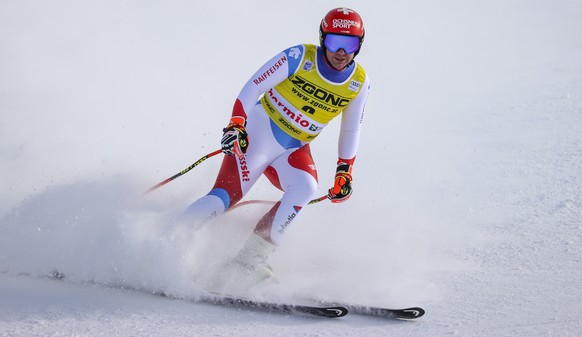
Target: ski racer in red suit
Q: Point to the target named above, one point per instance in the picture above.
(279, 111)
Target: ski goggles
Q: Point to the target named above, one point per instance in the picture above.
(334, 42)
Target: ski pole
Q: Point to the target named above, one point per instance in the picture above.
(315, 201)
(269, 202)
(248, 202)
(184, 171)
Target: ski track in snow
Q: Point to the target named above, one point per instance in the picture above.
(467, 197)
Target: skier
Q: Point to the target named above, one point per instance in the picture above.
(279, 111)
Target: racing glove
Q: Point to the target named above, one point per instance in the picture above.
(342, 186)
(235, 140)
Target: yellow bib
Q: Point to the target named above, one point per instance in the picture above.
(303, 104)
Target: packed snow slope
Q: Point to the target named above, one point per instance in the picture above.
(467, 187)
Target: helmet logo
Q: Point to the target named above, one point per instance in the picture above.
(346, 11)
(344, 23)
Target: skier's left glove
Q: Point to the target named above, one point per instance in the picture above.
(235, 140)
(342, 186)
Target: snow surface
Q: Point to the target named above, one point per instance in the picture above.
(467, 199)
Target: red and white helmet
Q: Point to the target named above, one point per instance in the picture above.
(342, 21)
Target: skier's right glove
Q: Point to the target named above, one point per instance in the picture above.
(342, 186)
(235, 140)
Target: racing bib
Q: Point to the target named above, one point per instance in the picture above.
(303, 104)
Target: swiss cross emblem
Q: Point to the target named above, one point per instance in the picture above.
(344, 10)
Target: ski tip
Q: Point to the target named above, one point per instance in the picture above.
(410, 313)
(335, 312)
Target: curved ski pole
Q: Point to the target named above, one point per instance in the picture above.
(269, 202)
(184, 171)
(315, 201)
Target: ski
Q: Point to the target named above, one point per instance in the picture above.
(404, 314)
(331, 311)
(319, 308)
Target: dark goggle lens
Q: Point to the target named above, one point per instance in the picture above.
(333, 43)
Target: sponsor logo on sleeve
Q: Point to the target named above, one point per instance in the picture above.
(295, 52)
(263, 77)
